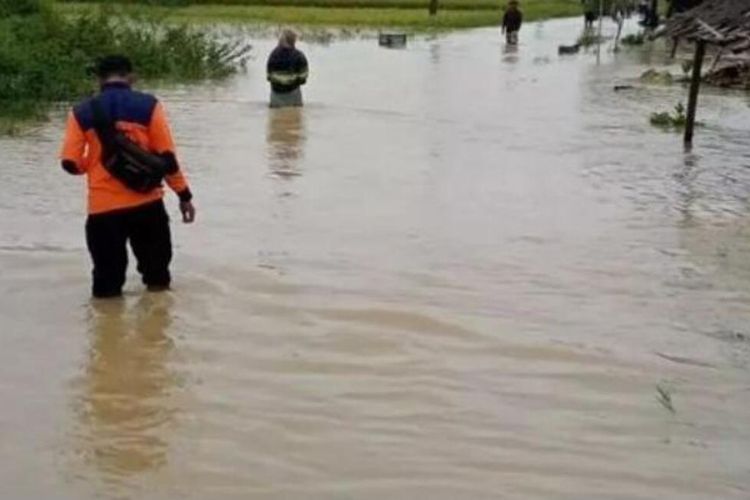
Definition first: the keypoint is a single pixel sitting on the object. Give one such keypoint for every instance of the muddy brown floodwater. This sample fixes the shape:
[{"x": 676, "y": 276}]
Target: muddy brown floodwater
[{"x": 458, "y": 273}]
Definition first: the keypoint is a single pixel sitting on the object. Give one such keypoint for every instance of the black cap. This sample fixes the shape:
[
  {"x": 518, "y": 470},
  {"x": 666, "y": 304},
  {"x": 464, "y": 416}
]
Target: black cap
[{"x": 114, "y": 65}]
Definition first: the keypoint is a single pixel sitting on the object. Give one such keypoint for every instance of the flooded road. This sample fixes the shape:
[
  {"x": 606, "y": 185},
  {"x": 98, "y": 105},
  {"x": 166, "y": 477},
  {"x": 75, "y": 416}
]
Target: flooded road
[{"x": 459, "y": 272}]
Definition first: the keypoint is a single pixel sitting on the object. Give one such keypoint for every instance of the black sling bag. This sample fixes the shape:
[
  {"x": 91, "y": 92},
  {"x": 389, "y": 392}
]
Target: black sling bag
[{"x": 140, "y": 170}]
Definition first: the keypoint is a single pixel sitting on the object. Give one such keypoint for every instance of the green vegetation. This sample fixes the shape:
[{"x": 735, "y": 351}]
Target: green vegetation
[
  {"x": 676, "y": 120},
  {"x": 47, "y": 48},
  {"x": 47, "y": 58},
  {"x": 342, "y": 4},
  {"x": 15, "y": 117},
  {"x": 19, "y": 8},
  {"x": 589, "y": 38},
  {"x": 657, "y": 77},
  {"x": 407, "y": 18},
  {"x": 410, "y": 14},
  {"x": 634, "y": 39}
]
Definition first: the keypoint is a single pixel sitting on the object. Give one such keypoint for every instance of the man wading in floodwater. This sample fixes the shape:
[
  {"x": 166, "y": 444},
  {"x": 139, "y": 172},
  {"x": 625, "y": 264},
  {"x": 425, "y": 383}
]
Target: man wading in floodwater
[
  {"x": 121, "y": 141},
  {"x": 512, "y": 20},
  {"x": 287, "y": 71}
]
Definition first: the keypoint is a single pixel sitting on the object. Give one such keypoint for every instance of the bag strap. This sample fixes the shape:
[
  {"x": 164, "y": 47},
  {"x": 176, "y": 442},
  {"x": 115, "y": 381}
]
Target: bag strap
[{"x": 103, "y": 124}]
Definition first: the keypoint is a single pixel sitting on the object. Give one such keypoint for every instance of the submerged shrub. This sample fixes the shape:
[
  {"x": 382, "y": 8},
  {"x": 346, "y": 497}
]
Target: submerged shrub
[
  {"x": 588, "y": 38},
  {"x": 635, "y": 38},
  {"x": 45, "y": 57},
  {"x": 657, "y": 77},
  {"x": 676, "y": 120}
]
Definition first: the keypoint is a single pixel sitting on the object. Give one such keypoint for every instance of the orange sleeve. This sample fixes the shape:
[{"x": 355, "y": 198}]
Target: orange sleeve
[
  {"x": 74, "y": 144},
  {"x": 161, "y": 141},
  {"x": 159, "y": 133}
]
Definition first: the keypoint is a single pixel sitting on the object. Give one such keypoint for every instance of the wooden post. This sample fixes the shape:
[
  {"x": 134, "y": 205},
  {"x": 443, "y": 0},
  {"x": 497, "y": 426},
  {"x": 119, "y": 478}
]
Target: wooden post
[
  {"x": 695, "y": 85},
  {"x": 433, "y": 7}
]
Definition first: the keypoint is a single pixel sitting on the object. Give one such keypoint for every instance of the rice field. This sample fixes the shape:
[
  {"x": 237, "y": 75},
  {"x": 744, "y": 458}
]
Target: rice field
[{"x": 411, "y": 14}]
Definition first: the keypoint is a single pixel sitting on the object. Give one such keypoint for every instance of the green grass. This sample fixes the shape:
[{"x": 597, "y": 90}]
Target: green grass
[
  {"x": 366, "y": 13},
  {"x": 44, "y": 56},
  {"x": 536, "y": 9},
  {"x": 318, "y": 16},
  {"x": 344, "y": 4}
]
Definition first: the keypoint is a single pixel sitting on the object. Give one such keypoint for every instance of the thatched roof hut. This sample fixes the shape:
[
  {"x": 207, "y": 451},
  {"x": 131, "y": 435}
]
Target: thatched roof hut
[
  {"x": 718, "y": 22},
  {"x": 724, "y": 23}
]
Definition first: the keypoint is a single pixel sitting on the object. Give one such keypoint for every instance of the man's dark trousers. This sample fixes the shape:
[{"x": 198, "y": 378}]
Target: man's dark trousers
[{"x": 147, "y": 229}]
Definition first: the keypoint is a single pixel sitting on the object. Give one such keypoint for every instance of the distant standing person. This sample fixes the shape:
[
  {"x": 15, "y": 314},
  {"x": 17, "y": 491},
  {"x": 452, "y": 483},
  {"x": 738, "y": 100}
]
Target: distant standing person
[
  {"x": 512, "y": 21},
  {"x": 287, "y": 71},
  {"x": 590, "y": 15}
]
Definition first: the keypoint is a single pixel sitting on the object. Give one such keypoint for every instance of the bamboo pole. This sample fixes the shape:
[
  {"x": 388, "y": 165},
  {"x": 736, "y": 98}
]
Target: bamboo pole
[{"x": 695, "y": 85}]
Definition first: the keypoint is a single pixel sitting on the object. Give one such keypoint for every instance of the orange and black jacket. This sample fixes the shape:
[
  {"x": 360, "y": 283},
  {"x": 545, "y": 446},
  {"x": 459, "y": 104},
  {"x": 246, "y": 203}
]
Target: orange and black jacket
[{"x": 142, "y": 118}]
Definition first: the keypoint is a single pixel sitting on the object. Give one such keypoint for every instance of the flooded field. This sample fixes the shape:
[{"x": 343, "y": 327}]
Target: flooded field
[{"x": 459, "y": 272}]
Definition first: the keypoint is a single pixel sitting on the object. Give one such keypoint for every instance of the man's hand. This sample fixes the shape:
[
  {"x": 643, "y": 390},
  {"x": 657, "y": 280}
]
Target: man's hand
[{"x": 188, "y": 211}]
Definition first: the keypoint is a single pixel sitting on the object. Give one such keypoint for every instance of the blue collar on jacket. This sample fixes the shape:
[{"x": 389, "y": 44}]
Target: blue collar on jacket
[
  {"x": 115, "y": 85},
  {"x": 122, "y": 103}
]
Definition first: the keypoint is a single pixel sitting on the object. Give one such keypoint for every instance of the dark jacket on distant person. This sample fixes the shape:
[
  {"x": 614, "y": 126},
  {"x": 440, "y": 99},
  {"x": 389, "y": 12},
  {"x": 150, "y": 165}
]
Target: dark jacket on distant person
[
  {"x": 286, "y": 69},
  {"x": 512, "y": 19}
]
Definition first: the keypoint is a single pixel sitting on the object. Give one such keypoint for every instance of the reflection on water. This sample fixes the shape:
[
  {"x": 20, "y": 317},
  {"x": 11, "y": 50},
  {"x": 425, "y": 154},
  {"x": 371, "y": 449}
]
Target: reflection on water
[
  {"x": 435, "y": 54},
  {"x": 127, "y": 406},
  {"x": 510, "y": 53},
  {"x": 285, "y": 136},
  {"x": 686, "y": 177}
]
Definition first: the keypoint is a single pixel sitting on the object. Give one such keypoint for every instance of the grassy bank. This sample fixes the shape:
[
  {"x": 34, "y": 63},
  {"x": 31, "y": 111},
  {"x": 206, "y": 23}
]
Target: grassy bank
[
  {"x": 343, "y": 4},
  {"x": 361, "y": 13},
  {"x": 535, "y": 8},
  {"x": 46, "y": 57}
]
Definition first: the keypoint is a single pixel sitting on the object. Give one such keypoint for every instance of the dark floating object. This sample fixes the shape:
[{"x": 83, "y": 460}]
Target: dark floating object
[
  {"x": 392, "y": 40},
  {"x": 664, "y": 396},
  {"x": 619, "y": 88},
  {"x": 568, "y": 49}
]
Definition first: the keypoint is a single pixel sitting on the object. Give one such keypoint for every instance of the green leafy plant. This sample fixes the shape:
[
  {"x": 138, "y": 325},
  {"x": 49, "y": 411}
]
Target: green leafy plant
[
  {"x": 20, "y": 7},
  {"x": 588, "y": 38},
  {"x": 654, "y": 76},
  {"x": 46, "y": 57},
  {"x": 405, "y": 14},
  {"x": 634, "y": 39},
  {"x": 677, "y": 119}
]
